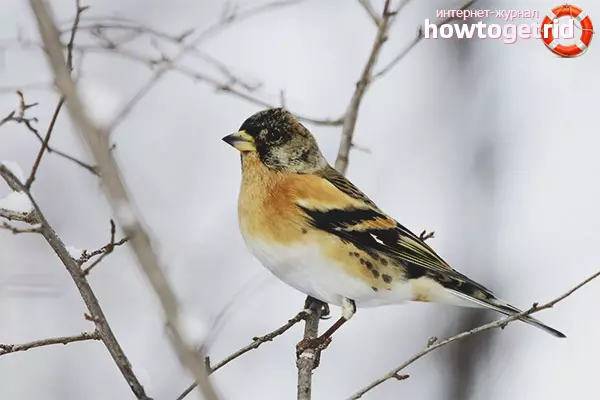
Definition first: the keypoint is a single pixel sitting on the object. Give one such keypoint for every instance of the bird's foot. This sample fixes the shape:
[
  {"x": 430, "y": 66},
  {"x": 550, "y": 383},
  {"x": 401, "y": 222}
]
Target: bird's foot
[
  {"x": 312, "y": 302},
  {"x": 325, "y": 312},
  {"x": 317, "y": 344}
]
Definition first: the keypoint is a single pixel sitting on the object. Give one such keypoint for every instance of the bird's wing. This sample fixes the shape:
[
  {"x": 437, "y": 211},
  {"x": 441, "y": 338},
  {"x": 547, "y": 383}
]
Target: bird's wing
[
  {"x": 333, "y": 204},
  {"x": 360, "y": 222}
]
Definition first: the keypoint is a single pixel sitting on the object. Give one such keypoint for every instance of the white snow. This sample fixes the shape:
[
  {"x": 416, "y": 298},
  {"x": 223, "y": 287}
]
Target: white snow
[
  {"x": 17, "y": 202},
  {"x": 74, "y": 252},
  {"x": 15, "y": 169}
]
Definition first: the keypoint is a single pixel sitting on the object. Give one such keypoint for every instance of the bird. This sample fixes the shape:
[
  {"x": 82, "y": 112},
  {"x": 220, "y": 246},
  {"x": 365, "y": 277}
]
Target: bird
[{"x": 320, "y": 234}]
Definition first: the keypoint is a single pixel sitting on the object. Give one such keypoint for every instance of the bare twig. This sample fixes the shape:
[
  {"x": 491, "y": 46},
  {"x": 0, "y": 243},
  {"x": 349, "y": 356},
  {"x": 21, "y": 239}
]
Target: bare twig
[
  {"x": 11, "y": 215},
  {"x": 16, "y": 230},
  {"x": 13, "y": 348},
  {"x": 227, "y": 20},
  {"x": 351, "y": 115},
  {"x": 256, "y": 342},
  {"x": 28, "y": 122},
  {"x": 366, "y": 4},
  {"x": 98, "y": 30},
  {"x": 419, "y": 36},
  {"x": 45, "y": 142},
  {"x": 86, "y": 292},
  {"x": 501, "y": 323},
  {"x": 102, "y": 252},
  {"x": 61, "y": 101},
  {"x": 114, "y": 188}
]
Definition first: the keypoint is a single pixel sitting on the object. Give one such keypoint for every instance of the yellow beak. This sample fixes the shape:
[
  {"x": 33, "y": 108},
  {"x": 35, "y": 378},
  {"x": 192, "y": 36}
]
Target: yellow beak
[{"x": 241, "y": 141}]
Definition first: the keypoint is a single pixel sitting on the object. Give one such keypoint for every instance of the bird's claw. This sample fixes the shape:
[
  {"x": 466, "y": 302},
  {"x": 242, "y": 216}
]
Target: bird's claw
[
  {"x": 316, "y": 344},
  {"x": 325, "y": 312}
]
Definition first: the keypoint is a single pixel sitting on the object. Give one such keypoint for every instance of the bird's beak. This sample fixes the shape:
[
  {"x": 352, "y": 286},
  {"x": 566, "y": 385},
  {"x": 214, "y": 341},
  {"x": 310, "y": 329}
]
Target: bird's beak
[{"x": 241, "y": 141}]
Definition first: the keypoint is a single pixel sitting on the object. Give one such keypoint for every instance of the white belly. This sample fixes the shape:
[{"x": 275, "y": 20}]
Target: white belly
[{"x": 304, "y": 267}]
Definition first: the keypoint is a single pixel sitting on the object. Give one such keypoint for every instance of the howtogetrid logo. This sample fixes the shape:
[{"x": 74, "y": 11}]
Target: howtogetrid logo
[{"x": 583, "y": 22}]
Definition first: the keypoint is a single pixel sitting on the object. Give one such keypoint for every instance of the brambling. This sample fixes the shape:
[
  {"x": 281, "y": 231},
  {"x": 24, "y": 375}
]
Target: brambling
[{"x": 317, "y": 232}]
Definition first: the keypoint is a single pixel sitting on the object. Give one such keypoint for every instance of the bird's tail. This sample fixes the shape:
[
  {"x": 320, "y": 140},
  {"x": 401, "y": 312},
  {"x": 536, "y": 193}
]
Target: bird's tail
[{"x": 506, "y": 309}]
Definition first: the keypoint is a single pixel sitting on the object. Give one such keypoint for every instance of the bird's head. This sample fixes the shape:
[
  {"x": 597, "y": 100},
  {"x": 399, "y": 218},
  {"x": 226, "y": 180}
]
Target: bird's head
[{"x": 280, "y": 142}]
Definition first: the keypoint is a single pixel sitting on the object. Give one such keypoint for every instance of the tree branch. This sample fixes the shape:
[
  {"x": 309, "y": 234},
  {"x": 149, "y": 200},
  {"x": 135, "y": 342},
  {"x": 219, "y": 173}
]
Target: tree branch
[
  {"x": 85, "y": 290},
  {"x": 13, "y": 348},
  {"x": 501, "y": 323},
  {"x": 309, "y": 359},
  {"x": 114, "y": 188},
  {"x": 389, "y": 66},
  {"x": 227, "y": 19},
  {"x": 61, "y": 101},
  {"x": 102, "y": 252},
  {"x": 28, "y": 122},
  {"x": 351, "y": 115},
  {"x": 368, "y": 7},
  {"x": 16, "y": 230},
  {"x": 256, "y": 342}
]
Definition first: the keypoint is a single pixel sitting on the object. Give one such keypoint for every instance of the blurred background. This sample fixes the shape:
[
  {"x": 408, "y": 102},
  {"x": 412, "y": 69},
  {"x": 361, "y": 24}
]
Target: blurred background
[{"x": 492, "y": 146}]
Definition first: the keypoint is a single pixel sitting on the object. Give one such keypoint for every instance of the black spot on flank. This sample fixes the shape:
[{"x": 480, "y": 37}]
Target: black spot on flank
[
  {"x": 356, "y": 254},
  {"x": 386, "y": 278},
  {"x": 374, "y": 288},
  {"x": 375, "y": 273},
  {"x": 304, "y": 231},
  {"x": 350, "y": 254},
  {"x": 384, "y": 261},
  {"x": 369, "y": 264},
  {"x": 362, "y": 261}
]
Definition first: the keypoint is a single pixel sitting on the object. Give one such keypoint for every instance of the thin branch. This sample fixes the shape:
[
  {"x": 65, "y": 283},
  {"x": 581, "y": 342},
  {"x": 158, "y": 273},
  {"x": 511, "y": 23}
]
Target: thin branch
[
  {"x": 61, "y": 101},
  {"x": 351, "y": 115},
  {"x": 226, "y": 21},
  {"x": 28, "y": 122},
  {"x": 501, "y": 323},
  {"x": 98, "y": 30},
  {"x": 232, "y": 84},
  {"x": 114, "y": 188},
  {"x": 256, "y": 342},
  {"x": 11, "y": 215},
  {"x": 368, "y": 7},
  {"x": 86, "y": 292},
  {"x": 82, "y": 337},
  {"x": 101, "y": 252},
  {"x": 389, "y": 66},
  {"x": 44, "y": 147},
  {"x": 16, "y": 230}
]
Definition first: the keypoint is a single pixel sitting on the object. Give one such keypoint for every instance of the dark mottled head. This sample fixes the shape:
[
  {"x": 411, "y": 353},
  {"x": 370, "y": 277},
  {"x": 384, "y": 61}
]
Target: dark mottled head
[{"x": 281, "y": 142}]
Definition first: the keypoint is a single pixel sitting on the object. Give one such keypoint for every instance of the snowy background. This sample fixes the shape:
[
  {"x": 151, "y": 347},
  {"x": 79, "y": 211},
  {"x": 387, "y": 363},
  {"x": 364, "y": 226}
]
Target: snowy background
[{"x": 492, "y": 146}]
